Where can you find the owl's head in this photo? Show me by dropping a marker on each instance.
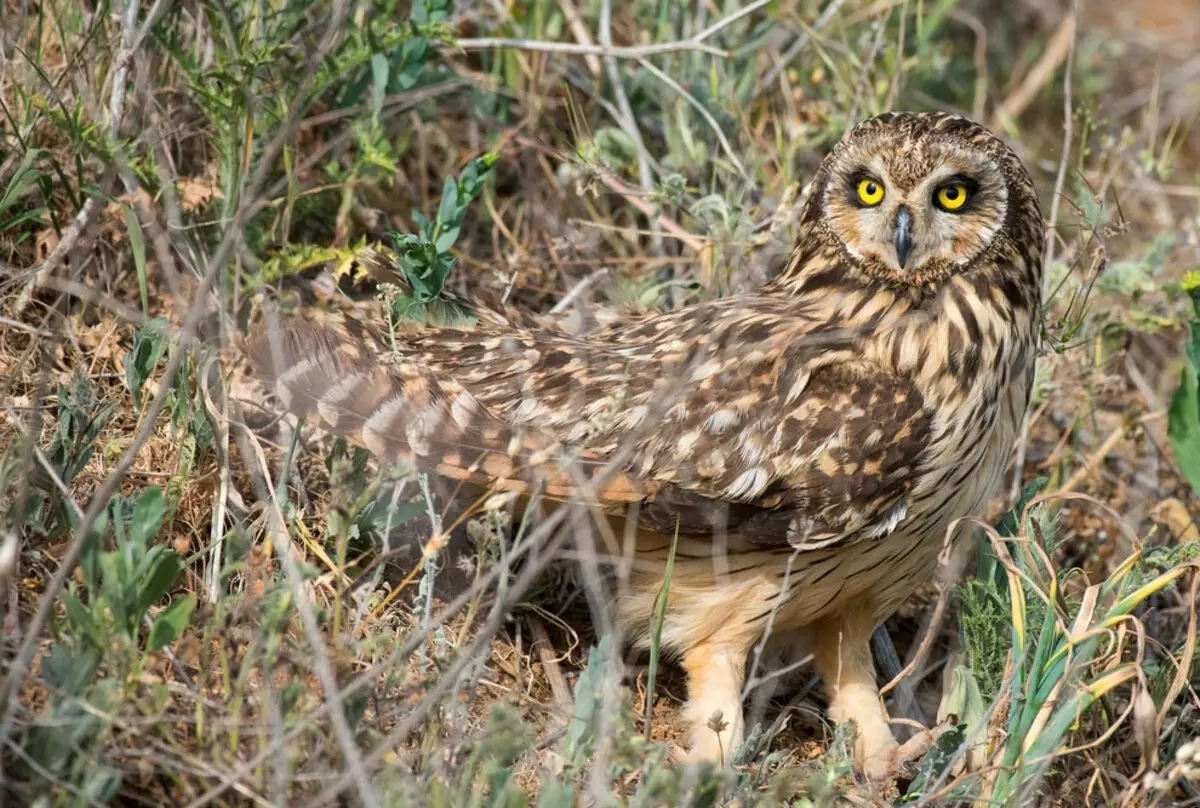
(914, 198)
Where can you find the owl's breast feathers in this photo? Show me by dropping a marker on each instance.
(815, 416)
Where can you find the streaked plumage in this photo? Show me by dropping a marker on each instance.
(811, 442)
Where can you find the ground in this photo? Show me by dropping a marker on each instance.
(205, 605)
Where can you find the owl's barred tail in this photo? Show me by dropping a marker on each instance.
(308, 363)
(396, 409)
(403, 412)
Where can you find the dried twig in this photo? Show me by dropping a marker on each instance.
(579, 49)
(631, 196)
(1097, 457)
(586, 283)
(580, 30)
(898, 65)
(550, 666)
(282, 543)
(1064, 40)
(979, 99)
(626, 119)
(1068, 26)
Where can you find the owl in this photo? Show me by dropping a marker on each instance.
(800, 454)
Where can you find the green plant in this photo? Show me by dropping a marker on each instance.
(1183, 419)
(424, 257)
(124, 583)
(1064, 654)
(16, 215)
(37, 501)
(105, 642)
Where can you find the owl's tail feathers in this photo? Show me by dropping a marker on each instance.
(308, 362)
(342, 373)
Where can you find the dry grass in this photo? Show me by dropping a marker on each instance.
(206, 606)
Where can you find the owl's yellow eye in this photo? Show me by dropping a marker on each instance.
(952, 197)
(870, 192)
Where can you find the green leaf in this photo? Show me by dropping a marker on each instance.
(449, 206)
(445, 312)
(556, 794)
(22, 178)
(1183, 424)
(411, 59)
(70, 671)
(987, 566)
(159, 581)
(380, 514)
(936, 761)
(408, 309)
(33, 215)
(116, 591)
(149, 342)
(89, 559)
(148, 513)
(137, 243)
(446, 238)
(80, 618)
(379, 81)
(581, 736)
(102, 784)
(424, 258)
(1183, 418)
(171, 623)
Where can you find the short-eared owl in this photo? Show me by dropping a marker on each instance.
(809, 444)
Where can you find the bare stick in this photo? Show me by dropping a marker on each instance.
(580, 30)
(577, 49)
(1066, 33)
(627, 120)
(578, 289)
(1060, 47)
(898, 72)
(1060, 179)
(81, 222)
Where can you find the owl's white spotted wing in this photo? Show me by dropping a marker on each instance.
(752, 415)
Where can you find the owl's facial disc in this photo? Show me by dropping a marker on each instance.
(916, 213)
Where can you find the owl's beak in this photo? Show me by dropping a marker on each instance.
(903, 234)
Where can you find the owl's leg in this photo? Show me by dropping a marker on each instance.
(715, 671)
(842, 655)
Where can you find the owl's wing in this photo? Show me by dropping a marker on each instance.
(745, 415)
